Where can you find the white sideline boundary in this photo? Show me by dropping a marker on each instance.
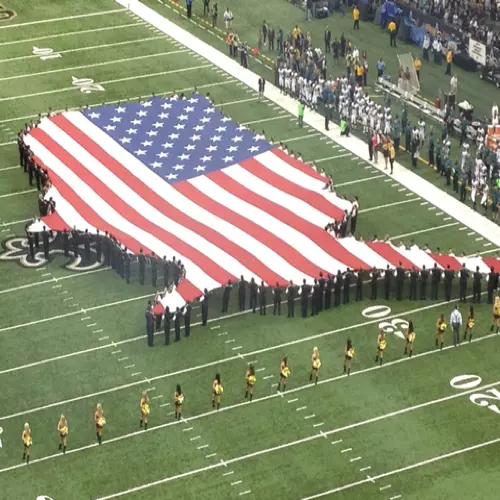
(254, 353)
(404, 176)
(313, 437)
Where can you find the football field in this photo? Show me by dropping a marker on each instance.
(420, 427)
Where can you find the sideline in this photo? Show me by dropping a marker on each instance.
(446, 203)
(250, 354)
(312, 437)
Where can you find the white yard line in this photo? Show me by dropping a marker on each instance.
(402, 469)
(265, 120)
(359, 181)
(10, 168)
(14, 222)
(435, 228)
(67, 18)
(313, 437)
(94, 65)
(90, 47)
(108, 82)
(266, 349)
(388, 205)
(17, 193)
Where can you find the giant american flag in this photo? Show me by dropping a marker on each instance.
(178, 178)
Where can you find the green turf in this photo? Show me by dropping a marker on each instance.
(71, 340)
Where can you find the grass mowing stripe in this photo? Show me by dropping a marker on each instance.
(72, 33)
(93, 65)
(398, 471)
(313, 437)
(293, 390)
(67, 18)
(117, 80)
(90, 47)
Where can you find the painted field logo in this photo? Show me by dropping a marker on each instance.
(6, 14)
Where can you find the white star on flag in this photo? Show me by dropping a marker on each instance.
(109, 128)
(182, 117)
(199, 168)
(152, 133)
(179, 126)
(140, 152)
(146, 104)
(253, 149)
(205, 119)
(190, 147)
(147, 143)
(162, 155)
(211, 148)
(209, 110)
(125, 140)
(227, 159)
(221, 129)
(120, 109)
(116, 119)
(168, 145)
(198, 128)
(184, 156)
(225, 119)
(192, 100)
(204, 159)
(158, 125)
(136, 122)
(189, 109)
(171, 176)
(178, 167)
(132, 131)
(173, 136)
(215, 138)
(232, 148)
(157, 164)
(195, 137)
(94, 115)
(241, 128)
(166, 105)
(237, 138)
(142, 113)
(163, 115)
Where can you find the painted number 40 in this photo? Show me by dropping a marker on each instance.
(486, 399)
(46, 53)
(86, 85)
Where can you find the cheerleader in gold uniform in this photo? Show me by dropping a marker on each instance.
(100, 422)
(469, 326)
(410, 338)
(441, 328)
(178, 400)
(496, 315)
(62, 428)
(349, 352)
(315, 365)
(250, 379)
(217, 391)
(284, 373)
(144, 408)
(381, 345)
(27, 441)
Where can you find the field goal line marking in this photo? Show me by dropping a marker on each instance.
(312, 437)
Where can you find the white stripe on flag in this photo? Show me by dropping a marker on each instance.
(129, 196)
(364, 252)
(419, 257)
(473, 262)
(287, 233)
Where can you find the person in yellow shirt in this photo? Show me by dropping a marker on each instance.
(100, 422)
(410, 338)
(144, 408)
(215, 384)
(381, 345)
(359, 73)
(178, 400)
(441, 328)
(315, 365)
(393, 31)
(392, 155)
(284, 374)
(250, 379)
(355, 17)
(449, 60)
(27, 440)
(469, 326)
(296, 32)
(349, 353)
(496, 315)
(62, 428)
(417, 63)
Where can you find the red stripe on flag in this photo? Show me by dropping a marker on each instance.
(313, 199)
(492, 262)
(445, 260)
(112, 199)
(167, 209)
(55, 222)
(391, 255)
(314, 233)
(300, 165)
(279, 246)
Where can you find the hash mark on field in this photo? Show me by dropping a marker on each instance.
(236, 483)
(229, 341)
(365, 468)
(194, 438)
(129, 366)
(395, 497)
(447, 218)
(117, 352)
(86, 317)
(337, 442)
(57, 286)
(135, 374)
(237, 348)
(268, 376)
(424, 203)
(301, 408)
(439, 213)
(463, 228)
(307, 417)
(471, 233)
(228, 473)
(273, 385)
(252, 362)
(409, 194)
(431, 208)
(247, 491)
(221, 334)
(157, 397)
(386, 487)
(260, 369)
(164, 404)
(214, 327)
(480, 238)
(345, 450)
(103, 338)
(202, 447)
(46, 274)
(355, 459)
(63, 292)
(123, 359)
(97, 331)
(401, 190)
(211, 455)
(487, 244)
(76, 304)
(292, 400)
(388, 180)
(67, 298)
(187, 430)
(90, 325)
(319, 425)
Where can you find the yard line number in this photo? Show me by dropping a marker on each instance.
(397, 326)
(86, 85)
(485, 399)
(46, 53)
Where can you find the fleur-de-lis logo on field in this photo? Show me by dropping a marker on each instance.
(17, 249)
(6, 14)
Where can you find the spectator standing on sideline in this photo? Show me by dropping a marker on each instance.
(328, 39)
(309, 7)
(228, 18)
(392, 32)
(206, 7)
(189, 7)
(355, 17)
(262, 86)
(417, 64)
(456, 323)
(215, 14)
(449, 59)
(380, 68)
(300, 112)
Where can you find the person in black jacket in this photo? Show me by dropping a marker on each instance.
(359, 285)
(253, 295)
(291, 292)
(374, 284)
(242, 292)
(45, 243)
(413, 284)
(154, 269)
(328, 292)
(424, 276)
(225, 296)
(400, 280)
(435, 279)
(177, 324)
(492, 284)
(166, 325)
(304, 298)
(347, 286)
(142, 266)
(187, 319)
(476, 286)
(464, 276)
(262, 298)
(98, 247)
(322, 284)
(337, 289)
(277, 299)
(150, 324)
(204, 308)
(387, 283)
(449, 275)
(315, 298)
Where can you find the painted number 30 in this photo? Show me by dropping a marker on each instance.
(86, 85)
(485, 399)
(397, 326)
